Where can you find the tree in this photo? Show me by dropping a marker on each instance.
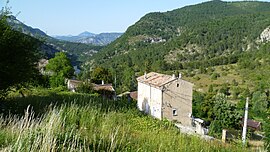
(267, 130)
(128, 79)
(60, 67)
(100, 74)
(259, 103)
(226, 115)
(18, 59)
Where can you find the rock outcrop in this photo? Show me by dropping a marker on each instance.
(265, 35)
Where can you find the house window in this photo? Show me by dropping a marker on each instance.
(174, 112)
(177, 85)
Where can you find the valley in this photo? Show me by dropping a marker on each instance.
(130, 91)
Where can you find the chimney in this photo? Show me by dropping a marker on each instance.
(145, 77)
(173, 76)
(102, 82)
(180, 76)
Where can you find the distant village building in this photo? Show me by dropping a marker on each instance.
(165, 97)
(72, 85)
(41, 65)
(106, 90)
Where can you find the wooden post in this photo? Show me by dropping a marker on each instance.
(224, 135)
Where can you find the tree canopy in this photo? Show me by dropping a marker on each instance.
(100, 74)
(60, 68)
(19, 56)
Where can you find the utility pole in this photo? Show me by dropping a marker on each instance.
(245, 123)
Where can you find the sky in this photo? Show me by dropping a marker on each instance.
(71, 17)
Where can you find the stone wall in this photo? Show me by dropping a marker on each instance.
(177, 101)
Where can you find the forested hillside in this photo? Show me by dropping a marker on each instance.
(203, 35)
(221, 47)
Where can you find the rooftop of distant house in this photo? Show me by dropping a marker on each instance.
(253, 124)
(97, 87)
(74, 81)
(157, 79)
(107, 87)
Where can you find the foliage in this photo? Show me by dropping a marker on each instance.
(19, 55)
(78, 52)
(202, 106)
(259, 104)
(85, 87)
(218, 110)
(193, 37)
(60, 68)
(214, 76)
(100, 74)
(79, 122)
(224, 89)
(225, 115)
(267, 130)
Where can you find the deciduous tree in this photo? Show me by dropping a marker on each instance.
(60, 68)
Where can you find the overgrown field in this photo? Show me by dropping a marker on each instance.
(79, 122)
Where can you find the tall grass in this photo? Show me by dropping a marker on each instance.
(74, 122)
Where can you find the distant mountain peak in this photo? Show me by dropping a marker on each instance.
(86, 34)
(91, 38)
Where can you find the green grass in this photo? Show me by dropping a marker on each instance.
(79, 122)
(228, 73)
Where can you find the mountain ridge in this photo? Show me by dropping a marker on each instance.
(78, 52)
(92, 38)
(208, 30)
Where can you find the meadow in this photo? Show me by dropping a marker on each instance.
(48, 121)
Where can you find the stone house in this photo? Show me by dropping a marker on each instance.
(106, 90)
(165, 97)
(72, 85)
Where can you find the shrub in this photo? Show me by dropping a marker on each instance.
(214, 76)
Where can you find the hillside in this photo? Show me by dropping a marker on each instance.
(81, 122)
(91, 38)
(207, 34)
(193, 37)
(76, 51)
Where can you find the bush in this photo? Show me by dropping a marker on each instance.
(85, 88)
(197, 78)
(214, 76)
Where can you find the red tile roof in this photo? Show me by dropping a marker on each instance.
(156, 79)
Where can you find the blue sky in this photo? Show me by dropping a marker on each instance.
(64, 17)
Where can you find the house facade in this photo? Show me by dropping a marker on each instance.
(72, 85)
(165, 97)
